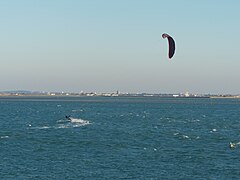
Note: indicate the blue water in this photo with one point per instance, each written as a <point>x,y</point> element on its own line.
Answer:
<point>119,138</point>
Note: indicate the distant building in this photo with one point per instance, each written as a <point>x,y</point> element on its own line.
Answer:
<point>186,94</point>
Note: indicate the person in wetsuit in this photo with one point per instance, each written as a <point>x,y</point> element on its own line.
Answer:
<point>68,117</point>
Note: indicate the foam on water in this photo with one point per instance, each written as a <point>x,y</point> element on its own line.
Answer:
<point>40,127</point>
<point>77,110</point>
<point>213,130</point>
<point>73,123</point>
<point>74,120</point>
<point>63,124</point>
<point>4,137</point>
<point>185,137</point>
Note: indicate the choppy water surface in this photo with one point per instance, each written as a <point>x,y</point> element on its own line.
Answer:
<point>119,138</point>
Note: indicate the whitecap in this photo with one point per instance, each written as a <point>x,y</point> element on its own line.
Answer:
<point>79,125</point>
<point>72,123</point>
<point>77,110</point>
<point>213,130</point>
<point>43,127</point>
<point>4,137</point>
<point>185,136</point>
<point>73,120</point>
<point>62,126</point>
<point>40,127</point>
<point>61,120</point>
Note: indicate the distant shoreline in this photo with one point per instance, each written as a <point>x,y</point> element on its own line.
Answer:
<point>121,95</point>
<point>226,97</point>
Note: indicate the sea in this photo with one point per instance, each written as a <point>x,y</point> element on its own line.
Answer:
<point>119,138</point>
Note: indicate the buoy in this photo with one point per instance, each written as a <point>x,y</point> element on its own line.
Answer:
<point>231,145</point>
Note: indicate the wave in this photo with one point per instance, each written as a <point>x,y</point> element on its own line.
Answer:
<point>77,110</point>
<point>184,136</point>
<point>63,124</point>
<point>4,137</point>
<point>74,120</point>
<point>72,123</point>
<point>213,130</point>
<point>40,127</point>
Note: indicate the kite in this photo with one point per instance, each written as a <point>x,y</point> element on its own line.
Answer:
<point>171,44</point>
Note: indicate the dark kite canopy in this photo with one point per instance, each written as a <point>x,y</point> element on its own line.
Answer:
<point>171,44</point>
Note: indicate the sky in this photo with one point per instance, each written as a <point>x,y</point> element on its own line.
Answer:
<point>116,45</point>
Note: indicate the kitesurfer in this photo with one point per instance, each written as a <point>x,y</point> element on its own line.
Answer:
<point>68,117</point>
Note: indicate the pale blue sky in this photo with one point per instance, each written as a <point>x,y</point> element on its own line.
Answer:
<point>110,45</point>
